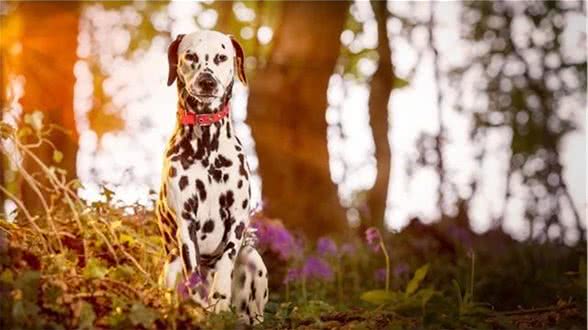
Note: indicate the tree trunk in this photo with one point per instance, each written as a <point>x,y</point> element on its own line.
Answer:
<point>287,104</point>
<point>49,44</point>
<point>225,15</point>
<point>380,88</point>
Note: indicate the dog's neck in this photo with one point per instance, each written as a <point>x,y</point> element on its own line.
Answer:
<point>191,143</point>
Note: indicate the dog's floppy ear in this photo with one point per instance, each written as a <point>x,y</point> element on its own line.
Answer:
<point>239,60</point>
<point>172,59</point>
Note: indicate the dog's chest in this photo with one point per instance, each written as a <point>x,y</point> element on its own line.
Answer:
<point>208,182</point>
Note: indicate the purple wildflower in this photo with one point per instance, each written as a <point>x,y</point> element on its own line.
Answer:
<point>380,274</point>
<point>461,235</point>
<point>272,235</point>
<point>326,246</point>
<point>400,269</point>
<point>194,281</point>
<point>293,275</point>
<point>373,238</point>
<point>348,249</point>
<point>317,268</point>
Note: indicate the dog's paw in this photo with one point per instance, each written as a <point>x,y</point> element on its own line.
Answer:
<point>220,302</point>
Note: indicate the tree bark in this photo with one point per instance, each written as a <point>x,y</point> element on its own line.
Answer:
<point>49,44</point>
<point>380,88</point>
<point>287,104</point>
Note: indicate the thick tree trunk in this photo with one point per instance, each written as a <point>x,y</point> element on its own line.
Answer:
<point>380,88</point>
<point>225,15</point>
<point>287,106</point>
<point>49,44</point>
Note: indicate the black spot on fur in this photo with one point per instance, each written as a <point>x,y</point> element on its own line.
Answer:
<point>193,228</point>
<point>244,205</point>
<point>239,230</point>
<point>229,246</point>
<point>226,177</point>
<point>252,290</point>
<point>190,208</point>
<point>203,237</point>
<point>260,273</point>
<point>237,147</point>
<point>242,170</point>
<point>183,182</point>
<point>222,161</point>
<point>240,184</point>
<point>242,280</point>
<point>215,174</point>
<point>243,305</point>
<point>265,293</point>
<point>226,200</point>
<point>208,226</point>
<point>186,257</point>
<point>201,190</point>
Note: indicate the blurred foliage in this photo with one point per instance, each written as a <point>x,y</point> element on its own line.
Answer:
<point>535,89</point>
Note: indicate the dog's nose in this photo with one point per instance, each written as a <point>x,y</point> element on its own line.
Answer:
<point>207,83</point>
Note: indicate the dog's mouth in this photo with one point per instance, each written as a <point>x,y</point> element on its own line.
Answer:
<point>202,96</point>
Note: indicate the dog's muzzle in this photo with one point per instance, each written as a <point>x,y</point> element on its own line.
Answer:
<point>206,84</point>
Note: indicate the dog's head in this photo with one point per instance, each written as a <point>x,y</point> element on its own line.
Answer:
<point>205,64</point>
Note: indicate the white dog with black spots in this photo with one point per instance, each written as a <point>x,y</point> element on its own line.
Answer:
<point>203,206</point>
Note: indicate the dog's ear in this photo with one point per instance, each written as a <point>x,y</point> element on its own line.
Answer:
<point>239,60</point>
<point>172,59</point>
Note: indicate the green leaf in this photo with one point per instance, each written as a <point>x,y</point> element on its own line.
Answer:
<point>418,277</point>
<point>379,297</point>
<point>312,308</point>
<point>125,238</point>
<point>399,83</point>
<point>57,156</point>
<point>145,316</point>
<point>28,283</point>
<point>95,269</point>
<point>122,273</point>
<point>87,316</point>
<point>7,276</point>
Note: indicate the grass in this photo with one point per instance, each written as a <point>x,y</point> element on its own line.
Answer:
<point>85,266</point>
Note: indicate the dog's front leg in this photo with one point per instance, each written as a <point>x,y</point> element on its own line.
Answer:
<point>187,231</point>
<point>223,269</point>
<point>187,247</point>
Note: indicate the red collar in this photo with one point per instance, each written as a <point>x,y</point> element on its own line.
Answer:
<point>190,118</point>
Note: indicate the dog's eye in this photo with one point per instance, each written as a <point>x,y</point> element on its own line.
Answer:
<point>219,58</point>
<point>192,57</point>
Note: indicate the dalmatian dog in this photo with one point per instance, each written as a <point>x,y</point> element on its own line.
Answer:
<point>203,205</point>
